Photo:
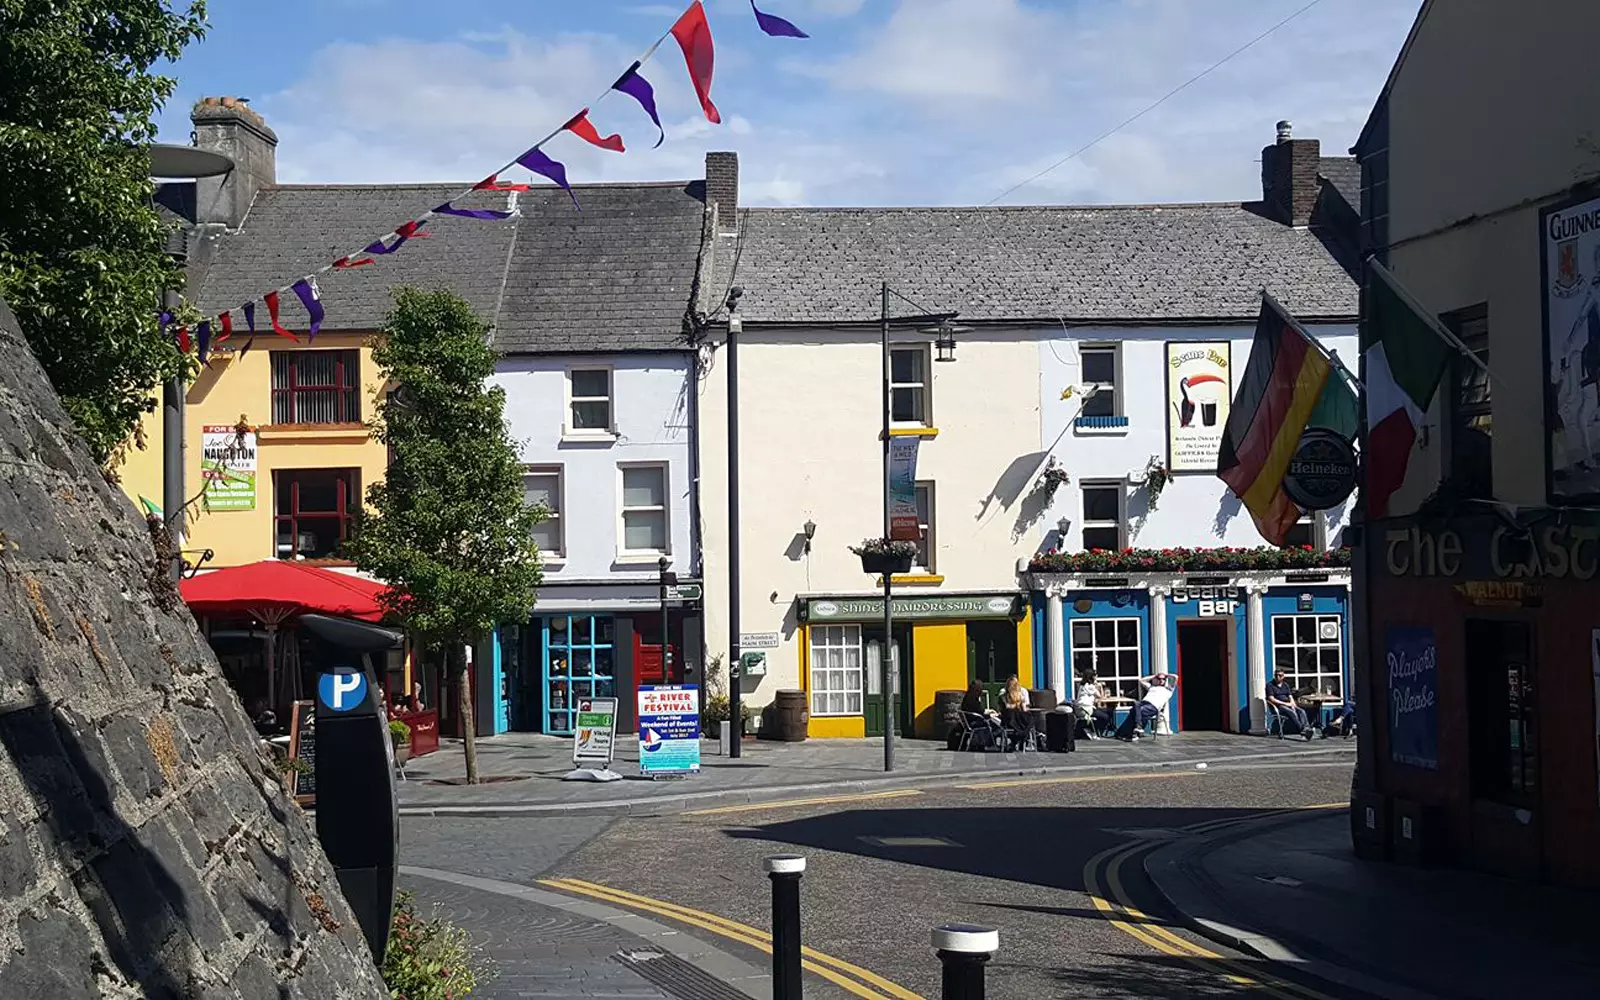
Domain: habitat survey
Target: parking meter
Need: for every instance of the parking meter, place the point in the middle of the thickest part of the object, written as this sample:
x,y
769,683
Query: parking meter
x,y
358,819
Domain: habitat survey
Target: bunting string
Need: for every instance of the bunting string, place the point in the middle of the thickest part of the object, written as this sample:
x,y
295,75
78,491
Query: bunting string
x,y
691,31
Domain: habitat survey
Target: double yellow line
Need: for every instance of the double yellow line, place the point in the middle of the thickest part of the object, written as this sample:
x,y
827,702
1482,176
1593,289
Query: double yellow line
x,y
1143,928
853,978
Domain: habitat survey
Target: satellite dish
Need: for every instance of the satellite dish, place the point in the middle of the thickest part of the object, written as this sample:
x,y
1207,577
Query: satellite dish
x,y
172,162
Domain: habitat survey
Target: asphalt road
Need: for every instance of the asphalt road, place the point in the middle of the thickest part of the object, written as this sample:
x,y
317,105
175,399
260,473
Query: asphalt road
x,y
1054,863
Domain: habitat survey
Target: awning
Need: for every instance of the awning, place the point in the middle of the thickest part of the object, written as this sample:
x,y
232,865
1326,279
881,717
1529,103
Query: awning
x,y
275,589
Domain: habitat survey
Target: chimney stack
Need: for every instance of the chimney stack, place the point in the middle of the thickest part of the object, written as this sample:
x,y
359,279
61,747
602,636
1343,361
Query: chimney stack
x,y
229,126
1289,170
722,189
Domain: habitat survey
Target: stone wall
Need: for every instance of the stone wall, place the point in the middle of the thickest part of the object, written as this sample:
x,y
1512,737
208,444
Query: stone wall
x,y
147,849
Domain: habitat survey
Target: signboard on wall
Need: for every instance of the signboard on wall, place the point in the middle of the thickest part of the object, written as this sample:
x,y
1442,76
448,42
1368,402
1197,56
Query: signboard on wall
x,y
1199,392
903,489
228,466
1569,253
955,606
1412,658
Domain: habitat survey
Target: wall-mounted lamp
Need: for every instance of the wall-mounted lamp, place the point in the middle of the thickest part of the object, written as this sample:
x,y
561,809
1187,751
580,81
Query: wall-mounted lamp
x,y
944,342
810,529
1063,524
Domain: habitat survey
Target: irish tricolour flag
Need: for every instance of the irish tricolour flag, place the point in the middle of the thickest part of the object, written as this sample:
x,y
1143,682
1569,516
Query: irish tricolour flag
x,y
1405,360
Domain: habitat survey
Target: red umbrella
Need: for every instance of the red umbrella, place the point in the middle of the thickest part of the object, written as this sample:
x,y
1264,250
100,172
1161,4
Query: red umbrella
x,y
274,590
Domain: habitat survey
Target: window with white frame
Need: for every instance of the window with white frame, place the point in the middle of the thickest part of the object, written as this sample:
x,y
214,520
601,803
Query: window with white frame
x,y
541,487
590,392
836,670
644,508
925,543
909,385
1310,651
1104,515
1100,372
1310,530
1110,647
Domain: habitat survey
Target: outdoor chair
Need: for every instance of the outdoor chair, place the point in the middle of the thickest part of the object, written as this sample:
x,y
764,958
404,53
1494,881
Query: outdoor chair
x,y
981,731
1281,717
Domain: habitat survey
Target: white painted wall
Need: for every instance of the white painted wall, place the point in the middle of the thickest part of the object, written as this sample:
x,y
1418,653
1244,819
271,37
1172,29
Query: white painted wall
x,y
650,412
1195,509
810,414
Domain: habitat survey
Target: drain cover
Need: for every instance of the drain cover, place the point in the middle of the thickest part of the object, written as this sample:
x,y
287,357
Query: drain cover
x,y
677,978
908,841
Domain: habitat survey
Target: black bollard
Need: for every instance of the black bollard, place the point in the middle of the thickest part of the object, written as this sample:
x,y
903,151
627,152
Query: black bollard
x,y
964,949
785,870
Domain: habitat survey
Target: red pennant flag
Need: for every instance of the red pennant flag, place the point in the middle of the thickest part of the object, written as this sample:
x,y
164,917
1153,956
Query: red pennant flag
x,y
694,37
413,231
183,339
492,183
344,262
271,299
583,128
226,319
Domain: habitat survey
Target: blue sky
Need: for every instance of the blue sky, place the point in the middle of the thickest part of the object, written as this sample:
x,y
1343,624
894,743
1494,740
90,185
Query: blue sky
x,y
891,102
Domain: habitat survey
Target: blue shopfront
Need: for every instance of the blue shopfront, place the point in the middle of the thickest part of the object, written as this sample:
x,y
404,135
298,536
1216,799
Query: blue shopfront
x,y
1222,636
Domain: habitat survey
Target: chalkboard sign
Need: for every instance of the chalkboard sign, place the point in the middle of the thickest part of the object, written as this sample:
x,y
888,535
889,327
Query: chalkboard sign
x,y
303,748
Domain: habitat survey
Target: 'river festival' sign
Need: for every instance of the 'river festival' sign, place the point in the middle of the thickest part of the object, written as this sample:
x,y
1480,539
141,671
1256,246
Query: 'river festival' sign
x,y
1412,657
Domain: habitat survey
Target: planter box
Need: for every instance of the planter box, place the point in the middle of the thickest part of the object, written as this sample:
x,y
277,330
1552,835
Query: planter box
x,y
884,564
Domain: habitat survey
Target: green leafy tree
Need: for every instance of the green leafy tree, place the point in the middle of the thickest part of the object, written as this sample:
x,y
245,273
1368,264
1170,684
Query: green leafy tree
x,y
449,528
82,250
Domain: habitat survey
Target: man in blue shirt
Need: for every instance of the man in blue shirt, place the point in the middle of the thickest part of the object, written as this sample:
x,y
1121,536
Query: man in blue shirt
x,y
1280,699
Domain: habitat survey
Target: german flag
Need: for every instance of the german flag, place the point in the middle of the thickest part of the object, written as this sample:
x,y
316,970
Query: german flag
x,y
1281,389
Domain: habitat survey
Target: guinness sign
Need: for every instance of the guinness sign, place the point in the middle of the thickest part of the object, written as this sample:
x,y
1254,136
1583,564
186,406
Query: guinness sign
x,y
1322,471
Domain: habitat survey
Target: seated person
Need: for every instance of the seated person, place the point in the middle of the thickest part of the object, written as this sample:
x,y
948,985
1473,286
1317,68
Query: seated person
x,y
971,704
1343,722
1280,698
1014,711
1094,717
1158,692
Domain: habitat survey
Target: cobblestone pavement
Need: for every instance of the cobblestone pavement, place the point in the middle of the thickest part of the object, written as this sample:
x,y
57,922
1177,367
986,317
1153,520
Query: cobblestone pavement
x,y
1042,859
523,771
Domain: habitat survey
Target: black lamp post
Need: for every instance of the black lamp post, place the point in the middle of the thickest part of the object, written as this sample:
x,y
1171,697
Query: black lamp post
x,y
666,643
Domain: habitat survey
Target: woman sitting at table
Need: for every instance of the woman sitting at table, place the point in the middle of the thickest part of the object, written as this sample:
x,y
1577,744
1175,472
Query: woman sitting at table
x,y
1094,717
1014,712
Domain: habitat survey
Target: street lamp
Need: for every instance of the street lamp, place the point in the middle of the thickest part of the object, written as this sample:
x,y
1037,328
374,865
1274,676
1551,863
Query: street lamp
x,y
945,332
666,646
177,163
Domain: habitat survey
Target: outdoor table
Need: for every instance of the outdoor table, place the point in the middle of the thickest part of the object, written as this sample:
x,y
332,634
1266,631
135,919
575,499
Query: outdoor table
x,y
1319,703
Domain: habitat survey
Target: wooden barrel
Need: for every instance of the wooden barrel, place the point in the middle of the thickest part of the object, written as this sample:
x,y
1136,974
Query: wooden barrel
x,y
790,716
945,706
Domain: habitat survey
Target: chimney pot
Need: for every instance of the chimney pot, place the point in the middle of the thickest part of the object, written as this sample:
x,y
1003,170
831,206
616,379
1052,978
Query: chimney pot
x,y
1285,130
722,189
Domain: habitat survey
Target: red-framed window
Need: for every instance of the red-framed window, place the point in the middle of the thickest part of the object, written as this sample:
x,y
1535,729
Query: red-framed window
x,y
316,387
313,509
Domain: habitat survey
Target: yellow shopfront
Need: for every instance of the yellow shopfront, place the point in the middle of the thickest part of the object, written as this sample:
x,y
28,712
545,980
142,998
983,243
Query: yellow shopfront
x,y
941,643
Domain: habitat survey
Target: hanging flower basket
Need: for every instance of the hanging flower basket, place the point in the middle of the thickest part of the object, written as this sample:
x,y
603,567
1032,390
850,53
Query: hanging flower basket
x,y
1156,478
1050,480
884,556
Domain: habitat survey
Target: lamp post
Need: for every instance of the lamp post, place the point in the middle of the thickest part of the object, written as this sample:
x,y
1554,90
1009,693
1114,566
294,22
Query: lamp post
x,y
735,327
945,346
666,643
178,163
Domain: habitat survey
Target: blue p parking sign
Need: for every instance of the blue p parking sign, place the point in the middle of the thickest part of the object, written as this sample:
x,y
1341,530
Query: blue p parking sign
x,y
342,691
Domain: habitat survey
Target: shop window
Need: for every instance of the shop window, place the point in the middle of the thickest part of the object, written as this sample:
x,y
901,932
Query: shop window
x,y
1310,651
541,487
925,549
314,509
589,395
836,670
1099,365
316,387
1469,407
1104,516
1110,647
1501,722
580,662
644,509
909,385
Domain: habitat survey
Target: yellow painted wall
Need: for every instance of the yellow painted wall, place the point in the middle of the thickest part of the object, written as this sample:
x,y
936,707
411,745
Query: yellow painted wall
x,y
1025,648
230,388
939,663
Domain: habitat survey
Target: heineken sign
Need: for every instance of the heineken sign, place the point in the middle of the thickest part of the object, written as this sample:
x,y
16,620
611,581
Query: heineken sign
x,y
864,609
1321,472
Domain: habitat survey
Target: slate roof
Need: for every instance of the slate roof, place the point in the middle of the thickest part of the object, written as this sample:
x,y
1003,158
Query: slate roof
x,y
1015,264
615,276
1344,173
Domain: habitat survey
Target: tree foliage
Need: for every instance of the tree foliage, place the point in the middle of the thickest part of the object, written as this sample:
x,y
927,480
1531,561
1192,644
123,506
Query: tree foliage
x,y
449,527
82,250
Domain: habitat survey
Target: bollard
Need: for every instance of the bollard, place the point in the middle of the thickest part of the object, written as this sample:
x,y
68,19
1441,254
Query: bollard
x,y
964,949
785,870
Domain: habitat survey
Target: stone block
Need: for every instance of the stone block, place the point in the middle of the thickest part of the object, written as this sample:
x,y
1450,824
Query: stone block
x,y
54,961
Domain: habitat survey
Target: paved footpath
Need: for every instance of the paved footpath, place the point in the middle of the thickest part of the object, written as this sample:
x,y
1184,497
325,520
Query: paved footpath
x,y
1294,892
522,773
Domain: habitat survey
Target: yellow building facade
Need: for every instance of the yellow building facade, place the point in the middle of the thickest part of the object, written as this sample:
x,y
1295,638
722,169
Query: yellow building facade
x,y
304,409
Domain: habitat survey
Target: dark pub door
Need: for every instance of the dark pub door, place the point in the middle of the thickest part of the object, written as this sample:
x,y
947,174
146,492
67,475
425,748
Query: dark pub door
x,y
1203,675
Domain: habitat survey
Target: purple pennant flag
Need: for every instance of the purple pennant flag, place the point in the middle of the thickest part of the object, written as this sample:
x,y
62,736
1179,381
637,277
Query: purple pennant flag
x,y
535,160
776,26
306,290
204,336
638,88
471,213
249,309
164,320
404,233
